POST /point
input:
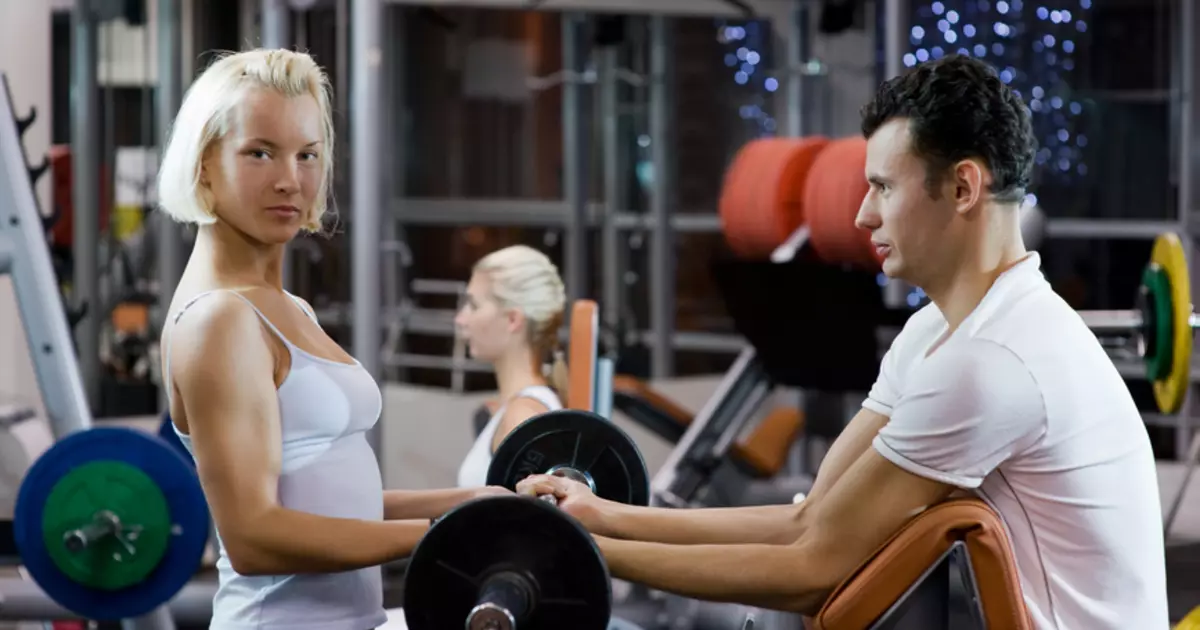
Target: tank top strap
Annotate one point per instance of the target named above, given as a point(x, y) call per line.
point(304, 308)
point(166, 350)
point(542, 394)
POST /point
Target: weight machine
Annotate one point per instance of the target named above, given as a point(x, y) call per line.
point(63, 590)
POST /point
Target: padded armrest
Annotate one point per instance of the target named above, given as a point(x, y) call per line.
point(901, 562)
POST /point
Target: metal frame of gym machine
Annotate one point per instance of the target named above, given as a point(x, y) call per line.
point(25, 258)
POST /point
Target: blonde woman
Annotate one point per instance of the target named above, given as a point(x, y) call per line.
point(510, 316)
point(274, 411)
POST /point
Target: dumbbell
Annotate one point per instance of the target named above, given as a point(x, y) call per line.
point(1159, 328)
point(516, 562)
point(111, 523)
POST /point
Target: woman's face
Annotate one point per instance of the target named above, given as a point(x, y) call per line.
point(266, 173)
point(488, 328)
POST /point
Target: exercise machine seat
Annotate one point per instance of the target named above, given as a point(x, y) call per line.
point(880, 583)
point(764, 452)
point(656, 412)
point(761, 454)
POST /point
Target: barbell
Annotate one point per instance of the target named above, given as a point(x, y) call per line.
point(1158, 330)
point(508, 562)
point(112, 522)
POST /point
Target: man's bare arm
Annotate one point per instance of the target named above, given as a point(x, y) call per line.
point(849, 446)
point(870, 502)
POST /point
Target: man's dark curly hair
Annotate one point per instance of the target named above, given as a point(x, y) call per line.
point(958, 108)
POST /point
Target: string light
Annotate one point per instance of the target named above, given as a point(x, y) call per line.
point(1032, 44)
point(744, 43)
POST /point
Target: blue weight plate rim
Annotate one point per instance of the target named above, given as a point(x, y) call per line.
point(166, 431)
point(185, 499)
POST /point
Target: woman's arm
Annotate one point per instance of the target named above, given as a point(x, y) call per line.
point(223, 370)
point(427, 504)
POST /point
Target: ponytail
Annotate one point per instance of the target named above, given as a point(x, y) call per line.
point(560, 376)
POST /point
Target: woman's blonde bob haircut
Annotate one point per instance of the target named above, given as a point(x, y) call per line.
point(205, 118)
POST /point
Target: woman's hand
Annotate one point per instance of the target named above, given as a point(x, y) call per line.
point(574, 498)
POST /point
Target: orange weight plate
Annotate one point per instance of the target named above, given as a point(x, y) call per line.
point(762, 199)
point(737, 196)
point(834, 192)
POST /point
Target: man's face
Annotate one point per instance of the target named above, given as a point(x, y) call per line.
point(911, 230)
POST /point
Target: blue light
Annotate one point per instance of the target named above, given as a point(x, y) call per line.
point(910, 60)
point(742, 53)
point(1043, 13)
point(943, 25)
point(1001, 29)
point(1076, 109)
point(980, 50)
point(731, 60)
point(938, 53)
point(938, 8)
point(741, 78)
point(918, 32)
point(1038, 92)
point(1063, 135)
point(771, 84)
point(1001, 7)
point(1068, 46)
point(752, 58)
point(922, 55)
point(951, 37)
point(952, 16)
point(1048, 40)
point(1006, 76)
point(969, 30)
point(998, 49)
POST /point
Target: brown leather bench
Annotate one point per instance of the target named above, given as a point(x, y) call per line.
point(761, 454)
point(906, 583)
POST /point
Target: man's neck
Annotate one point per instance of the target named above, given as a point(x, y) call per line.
point(960, 294)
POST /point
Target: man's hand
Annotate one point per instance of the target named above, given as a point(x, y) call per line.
point(574, 498)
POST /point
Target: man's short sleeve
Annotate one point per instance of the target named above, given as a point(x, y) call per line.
point(964, 411)
point(884, 395)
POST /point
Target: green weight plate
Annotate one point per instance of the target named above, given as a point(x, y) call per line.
point(1158, 313)
point(110, 563)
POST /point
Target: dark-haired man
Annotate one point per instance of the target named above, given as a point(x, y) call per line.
point(997, 388)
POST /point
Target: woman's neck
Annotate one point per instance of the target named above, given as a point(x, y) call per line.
point(516, 370)
point(235, 258)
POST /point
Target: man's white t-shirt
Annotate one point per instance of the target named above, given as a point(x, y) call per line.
point(1021, 405)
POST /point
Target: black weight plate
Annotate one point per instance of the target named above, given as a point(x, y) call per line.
point(508, 533)
point(581, 440)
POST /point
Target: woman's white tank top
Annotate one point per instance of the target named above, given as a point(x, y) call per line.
point(328, 468)
point(473, 471)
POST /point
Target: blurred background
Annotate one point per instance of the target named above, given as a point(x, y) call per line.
point(599, 131)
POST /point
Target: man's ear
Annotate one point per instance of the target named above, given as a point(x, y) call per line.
point(970, 180)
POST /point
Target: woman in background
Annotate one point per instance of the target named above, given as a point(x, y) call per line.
point(510, 317)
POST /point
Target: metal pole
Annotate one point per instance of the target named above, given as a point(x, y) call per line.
point(575, 154)
point(797, 54)
point(85, 200)
point(662, 250)
point(366, 185)
point(394, 182)
point(276, 24)
point(895, 20)
point(168, 95)
point(1187, 170)
point(613, 259)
